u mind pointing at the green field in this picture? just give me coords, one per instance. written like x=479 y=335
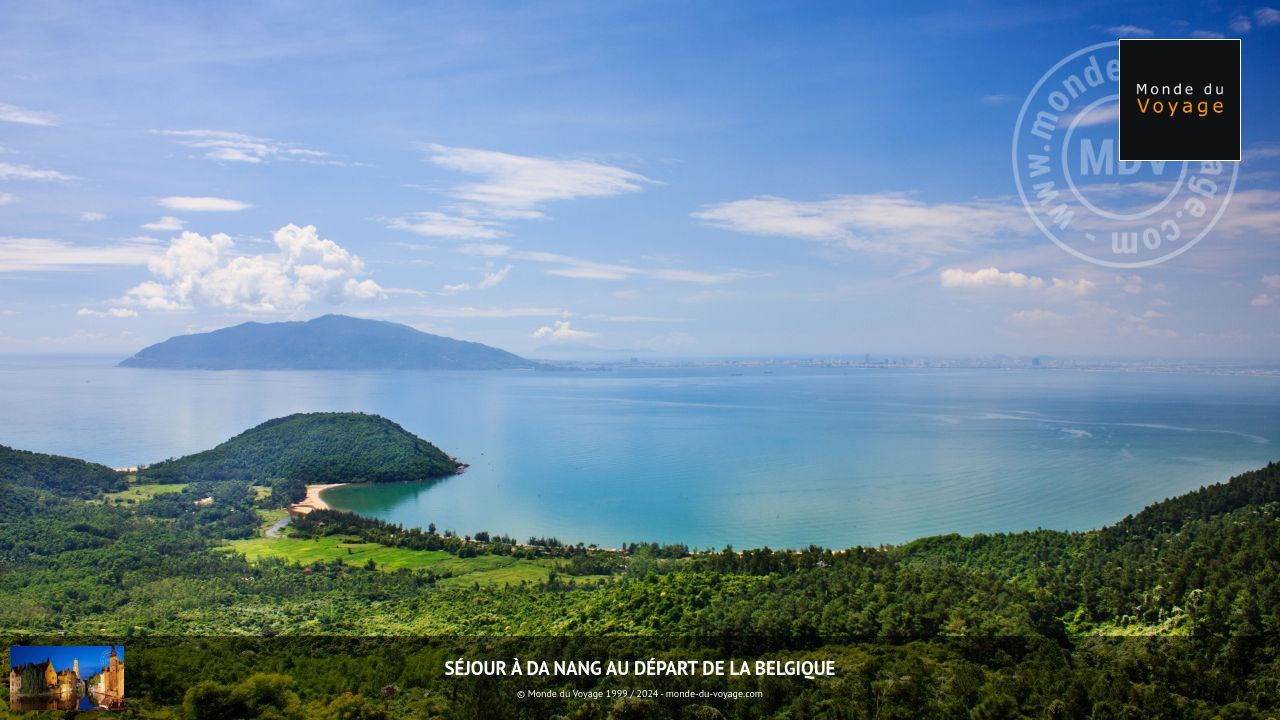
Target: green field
x=139 y=493
x=483 y=569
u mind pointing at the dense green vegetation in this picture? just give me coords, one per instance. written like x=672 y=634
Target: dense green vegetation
x=292 y=452
x=1171 y=613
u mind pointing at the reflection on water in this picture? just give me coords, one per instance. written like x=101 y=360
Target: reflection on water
x=50 y=702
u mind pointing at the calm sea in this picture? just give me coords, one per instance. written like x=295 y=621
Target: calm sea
x=706 y=457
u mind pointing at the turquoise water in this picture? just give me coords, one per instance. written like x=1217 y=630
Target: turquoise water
x=705 y=456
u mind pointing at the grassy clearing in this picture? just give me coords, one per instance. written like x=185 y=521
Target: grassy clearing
x=484 y=569
x=135 y=494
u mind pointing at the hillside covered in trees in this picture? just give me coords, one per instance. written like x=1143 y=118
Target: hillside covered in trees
x=1171 y=613
x=307 y=448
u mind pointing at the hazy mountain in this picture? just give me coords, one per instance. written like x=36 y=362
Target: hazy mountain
x=331 y=342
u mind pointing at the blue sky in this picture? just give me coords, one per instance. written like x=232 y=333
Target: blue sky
x=562 y=179
x=93 y=658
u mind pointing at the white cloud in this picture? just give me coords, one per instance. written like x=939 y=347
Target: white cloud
x=1131 y=284
x=561 y=330
x=6 y=199
x=1036 y=317
x=41 y=255
x=1271 y=281
x=1262 y=300
x=198 y=270
x=15 y=114
x=491 y=278
x=485 y=249
x=1266 y=16
x=1072 y=287
x=92 y=216
x=988 y=277
x=237 y=147
x=1262 y=152
x=115 y=312
x=1105 y=114
x=203 y=204
x=515 y=186
x=996 y=99
x=1130 y=31
x=1251 y=211
x=489 y=313
x=1207 y=35
x=437 y=224
x=880 y=222
x=168 y=223
x=1240 y=24
x=994 y=277
x=579 y=268
x=24 y=172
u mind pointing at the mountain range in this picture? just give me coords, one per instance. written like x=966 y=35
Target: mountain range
x=330 y=342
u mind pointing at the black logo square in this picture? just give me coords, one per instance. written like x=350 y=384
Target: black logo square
x=1180 y=100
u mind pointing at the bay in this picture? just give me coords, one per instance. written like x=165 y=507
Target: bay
x=704 y=456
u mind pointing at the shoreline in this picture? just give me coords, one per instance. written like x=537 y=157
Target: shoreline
x=313 y=501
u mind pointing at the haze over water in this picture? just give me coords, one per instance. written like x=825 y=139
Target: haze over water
x=704 y=456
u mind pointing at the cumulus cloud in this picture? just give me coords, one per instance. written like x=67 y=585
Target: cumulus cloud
x=879 y=222
x=1262 y=300
x=994 y=277
x=23 y=172
x=15 y=114
x=237 y=147
x=561 y=330
x=168 y=223
x=1240 y=24
x=199 y=270
x=43 y=255
x=202 y=204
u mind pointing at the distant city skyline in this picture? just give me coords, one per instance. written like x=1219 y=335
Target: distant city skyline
x=563 y=179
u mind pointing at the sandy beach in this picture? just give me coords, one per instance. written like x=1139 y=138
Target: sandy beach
x=313 y=500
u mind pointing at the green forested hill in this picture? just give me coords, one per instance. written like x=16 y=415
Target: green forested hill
x=63 y=475
x=313 y=448
x=1171 y=613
